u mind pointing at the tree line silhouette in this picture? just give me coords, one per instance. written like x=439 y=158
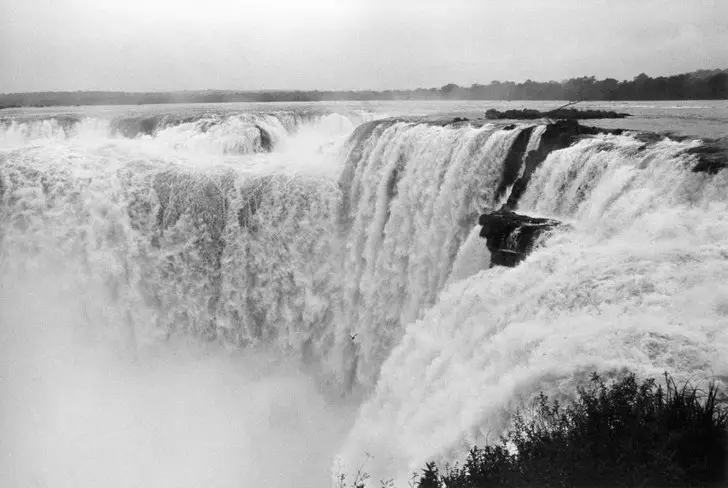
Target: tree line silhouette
x=698 y=85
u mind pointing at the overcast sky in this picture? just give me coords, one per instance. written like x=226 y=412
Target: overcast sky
x=140 y=45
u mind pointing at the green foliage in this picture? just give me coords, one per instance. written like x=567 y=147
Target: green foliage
x=620 y=434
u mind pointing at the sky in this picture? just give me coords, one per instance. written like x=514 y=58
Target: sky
x=164 y=45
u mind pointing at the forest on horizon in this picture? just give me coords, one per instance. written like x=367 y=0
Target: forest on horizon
x=698 y=85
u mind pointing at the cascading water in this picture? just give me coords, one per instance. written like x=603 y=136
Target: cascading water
x=638 y=282
x=112 y=252
x=412 y=194
x=204 y=133
x=285 y=242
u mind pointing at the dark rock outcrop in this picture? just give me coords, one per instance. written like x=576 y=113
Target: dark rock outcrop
x=712 y=156
x=266 y=141
x=514 y=160
x=561 y=113
x=558 y=135
x=511 y=236
x=131 y=127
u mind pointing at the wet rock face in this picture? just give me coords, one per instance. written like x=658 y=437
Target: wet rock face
x=511 y=237
x=131 y=127
x=558 y=135
x=266 y=141
x=712 y=156
x=514 y=160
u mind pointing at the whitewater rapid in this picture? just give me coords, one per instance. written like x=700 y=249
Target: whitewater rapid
x=639 y=282
x=324 y=275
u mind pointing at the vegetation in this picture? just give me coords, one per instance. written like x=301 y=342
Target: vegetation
x=699 y=85
x=622 y=434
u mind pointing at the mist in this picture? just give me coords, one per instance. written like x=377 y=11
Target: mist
x=81 y=408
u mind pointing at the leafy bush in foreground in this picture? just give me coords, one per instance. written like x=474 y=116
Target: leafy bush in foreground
x=621 y=434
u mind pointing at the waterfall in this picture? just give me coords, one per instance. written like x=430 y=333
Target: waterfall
x=638 y=282
x=414 y=192
x=255 y=257
x=209 y=132
x=349 y=247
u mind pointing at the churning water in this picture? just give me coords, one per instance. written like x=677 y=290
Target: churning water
x=229 y=297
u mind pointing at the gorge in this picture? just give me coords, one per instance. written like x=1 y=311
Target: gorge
x=360 y=250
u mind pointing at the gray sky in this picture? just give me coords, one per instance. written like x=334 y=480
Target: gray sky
x=139 y=45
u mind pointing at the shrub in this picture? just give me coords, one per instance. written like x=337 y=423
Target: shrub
x=620 y=434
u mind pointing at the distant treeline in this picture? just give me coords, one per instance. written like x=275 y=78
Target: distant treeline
x=699 y=85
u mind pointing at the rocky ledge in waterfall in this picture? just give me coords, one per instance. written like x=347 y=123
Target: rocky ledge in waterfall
x=136 y=126
x=559 y=113
x=511 y=237
x=519 y=166
x=712 y=156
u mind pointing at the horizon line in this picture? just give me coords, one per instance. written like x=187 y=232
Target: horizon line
x=351 y=90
